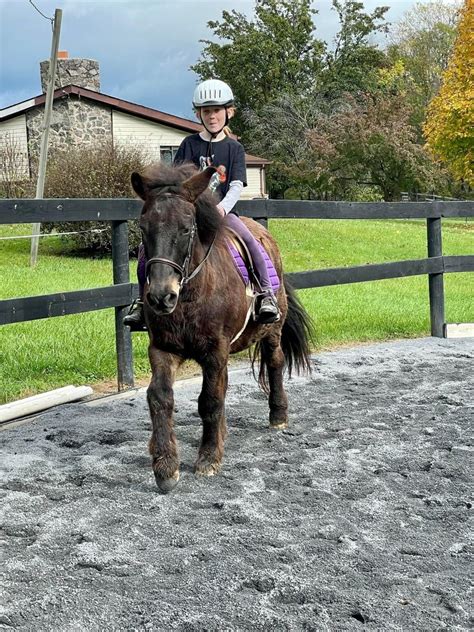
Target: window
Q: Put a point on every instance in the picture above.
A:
(167, 153)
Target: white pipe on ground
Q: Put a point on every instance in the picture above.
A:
(459, 330)
(40, 402)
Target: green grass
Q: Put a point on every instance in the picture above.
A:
(41, 355)
(377, 310)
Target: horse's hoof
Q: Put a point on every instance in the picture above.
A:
(166, 485)
(203, 467)
(279, 425)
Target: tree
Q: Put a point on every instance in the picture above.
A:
(372, 141)
(308, 107)
(343, 144)
(261, 59)
(277, 54)
(280, 132)
(352, 65)
(422, 43)
(449, 127)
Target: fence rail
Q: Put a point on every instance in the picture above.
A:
(119, 295)
(380, 271)
(23, 211)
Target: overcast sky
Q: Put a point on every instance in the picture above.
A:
(144, 47)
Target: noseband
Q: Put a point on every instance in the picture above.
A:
(182, 269)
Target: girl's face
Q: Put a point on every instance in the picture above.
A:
(214, 117)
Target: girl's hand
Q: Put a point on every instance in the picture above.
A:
(221, 210)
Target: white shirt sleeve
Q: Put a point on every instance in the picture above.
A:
(232, 196)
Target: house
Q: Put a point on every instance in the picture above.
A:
(84, 115)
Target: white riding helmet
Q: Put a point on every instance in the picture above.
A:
(212, 92)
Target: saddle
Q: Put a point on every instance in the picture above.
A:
(244, 264)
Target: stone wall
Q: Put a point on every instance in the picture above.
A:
(76, 71)
(75, 121)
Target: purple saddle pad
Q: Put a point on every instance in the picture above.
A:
(242, 268)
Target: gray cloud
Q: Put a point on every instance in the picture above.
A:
(144, 47)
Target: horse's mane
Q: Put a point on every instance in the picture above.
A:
(208, 218)
(161, 175)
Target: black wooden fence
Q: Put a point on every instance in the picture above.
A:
(122, 292)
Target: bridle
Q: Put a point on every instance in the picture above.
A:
(182, 269)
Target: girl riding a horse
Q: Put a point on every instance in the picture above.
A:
(213, 102)
(196, 307)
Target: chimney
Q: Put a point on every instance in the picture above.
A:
(72, 70)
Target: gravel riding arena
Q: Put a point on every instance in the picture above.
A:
(355, 517)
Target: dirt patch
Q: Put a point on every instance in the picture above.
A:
(109, 387)
(356, 517)
(187, 371)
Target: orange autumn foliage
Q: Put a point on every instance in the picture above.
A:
(449, 126)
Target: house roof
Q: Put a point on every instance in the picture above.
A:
(118, 104)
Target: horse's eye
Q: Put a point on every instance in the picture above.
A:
(186, 231)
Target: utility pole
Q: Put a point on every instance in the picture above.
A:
(48, 109)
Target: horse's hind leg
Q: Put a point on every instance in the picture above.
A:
(163, 448)
(211, 410)
(273, 358)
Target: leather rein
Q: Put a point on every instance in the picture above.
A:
(183, 269)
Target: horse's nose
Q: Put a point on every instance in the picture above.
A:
(166, 302)
(170, 299)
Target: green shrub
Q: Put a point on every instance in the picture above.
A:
(365, 193)
(17, 189)
(14, 182)
(98, 172)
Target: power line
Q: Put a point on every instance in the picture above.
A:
(41, 13)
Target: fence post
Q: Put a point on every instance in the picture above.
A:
(436, 281)
(264, 219)
(123, 337)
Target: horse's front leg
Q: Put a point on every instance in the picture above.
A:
(211, 410)
(272, 356)
(163, 448)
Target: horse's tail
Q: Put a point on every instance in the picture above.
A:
(297, 334)
(296, 338)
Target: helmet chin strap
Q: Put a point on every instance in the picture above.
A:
(214, 135)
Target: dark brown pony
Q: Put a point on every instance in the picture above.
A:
(195, 304)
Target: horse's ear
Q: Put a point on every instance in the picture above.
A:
(139, 185)
(193, 187)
